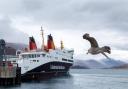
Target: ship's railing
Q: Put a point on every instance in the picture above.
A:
(11, 56)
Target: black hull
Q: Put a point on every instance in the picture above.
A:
(46, 71)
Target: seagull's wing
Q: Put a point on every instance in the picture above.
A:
(105, 55)
(93, 42)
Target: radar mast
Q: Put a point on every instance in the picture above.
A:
(42, 34)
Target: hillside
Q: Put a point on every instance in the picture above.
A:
(17, 46)
(94, 64)
(125, 66)
(12, 47)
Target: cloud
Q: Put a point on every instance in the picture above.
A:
(106, 20)
(9, 33)
(88, 16)
(69, 14)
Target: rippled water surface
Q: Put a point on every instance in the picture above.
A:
(82, 79)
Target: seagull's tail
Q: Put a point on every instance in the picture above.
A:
(106, 56)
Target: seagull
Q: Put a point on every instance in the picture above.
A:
(95, 49)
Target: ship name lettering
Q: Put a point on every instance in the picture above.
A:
(56, 67)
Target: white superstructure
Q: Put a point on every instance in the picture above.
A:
(30, 60)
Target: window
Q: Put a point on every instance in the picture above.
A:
(64, 59)
(3, 64)
(38, 55)
(70, 60)
(43, 55)
(35, 56)
(32, 56)
(34, 60)
(29, 55)
(14, 61)
(24, 56)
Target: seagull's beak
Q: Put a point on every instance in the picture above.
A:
(109, 51)
(83, 37)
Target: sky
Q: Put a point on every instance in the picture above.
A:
(68, 20)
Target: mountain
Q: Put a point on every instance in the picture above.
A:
(100, 64)
(79, 67)
(17, 46)
(125, 66)
(11, 48)
(88, 63)
(112, 62)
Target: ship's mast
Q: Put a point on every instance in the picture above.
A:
(42, 33)
(62, 45)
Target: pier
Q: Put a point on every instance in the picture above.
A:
(10, 73)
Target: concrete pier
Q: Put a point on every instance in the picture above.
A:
(10, 74)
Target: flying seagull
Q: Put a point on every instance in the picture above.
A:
(95, 49)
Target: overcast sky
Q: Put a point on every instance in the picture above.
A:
(68, 20)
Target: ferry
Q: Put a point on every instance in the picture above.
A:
(47, 61)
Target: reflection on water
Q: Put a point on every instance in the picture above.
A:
(81, 79)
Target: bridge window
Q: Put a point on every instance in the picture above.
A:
(32, 56)
(38, 55)
(43, 55)
(29, 56)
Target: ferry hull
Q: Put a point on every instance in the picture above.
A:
(47, 70)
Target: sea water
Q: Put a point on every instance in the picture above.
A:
(81, 79)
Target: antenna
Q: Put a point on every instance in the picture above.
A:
(42, 33)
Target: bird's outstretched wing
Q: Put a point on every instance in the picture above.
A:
(106, 56)
(92, 40)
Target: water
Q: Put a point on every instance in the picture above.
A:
(82, 79)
